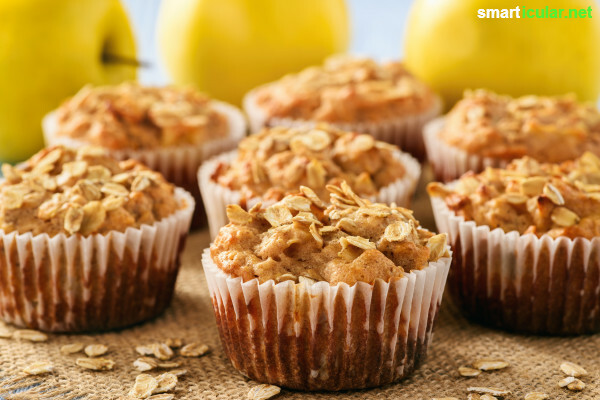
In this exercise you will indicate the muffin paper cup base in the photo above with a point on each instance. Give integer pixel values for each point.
(449, 162)
(216, 197)
(179, 164)
(521, 282)
(406, 132)
(74, 283)
(326, 337)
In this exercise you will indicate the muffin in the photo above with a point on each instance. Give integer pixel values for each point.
(354, 94)
(485, 129)
(526, 243)
(88, 243)
(276, 162)
(312, 295)
(171, 130)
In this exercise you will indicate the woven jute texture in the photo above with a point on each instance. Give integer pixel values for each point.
(534, 361)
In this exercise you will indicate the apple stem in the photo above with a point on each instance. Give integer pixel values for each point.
(117, 59)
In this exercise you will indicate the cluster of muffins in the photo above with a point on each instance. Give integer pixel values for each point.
(171, 130)
(320, 278)
(307, 208)
(275, 162)
(520, 209)
(93, 225)
(317, 248)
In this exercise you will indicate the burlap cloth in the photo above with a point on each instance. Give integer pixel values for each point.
(534, 361)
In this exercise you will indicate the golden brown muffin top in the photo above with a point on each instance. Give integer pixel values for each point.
(277, 161)
(59, 190)
(301, 238)
(529, 197)
(346, 89)
(549, 129)
(131, 116)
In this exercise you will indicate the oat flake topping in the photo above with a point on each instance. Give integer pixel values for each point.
(276, 161)
(304, 240)
(131, 116)
(548, 129)
(530, 197)
(346, 89)
(83, 191)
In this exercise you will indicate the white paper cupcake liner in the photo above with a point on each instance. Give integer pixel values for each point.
(216, 197)
(71, 283)
(405, 132)
(521, 282)
(178, 164)
(449, 162)
(326, 337)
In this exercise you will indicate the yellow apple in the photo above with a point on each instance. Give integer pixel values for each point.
(451, 49)
(227, 47)
(48, 51)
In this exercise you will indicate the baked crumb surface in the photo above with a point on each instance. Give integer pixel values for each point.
(531, 197)
(277, 161)
(83, 191)
(549, 129)
(132, 116)
(346, 89)
(303, 239)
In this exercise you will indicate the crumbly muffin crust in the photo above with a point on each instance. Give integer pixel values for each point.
(83, 191)
(346, 89)
(301, 237)
(131, 116)
(549, 129)
(530, 197)
(277, 161)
